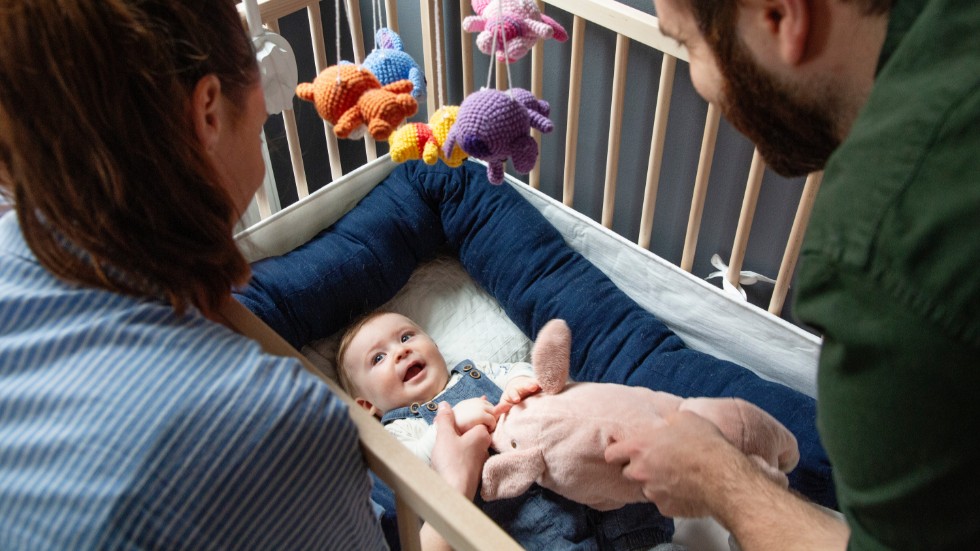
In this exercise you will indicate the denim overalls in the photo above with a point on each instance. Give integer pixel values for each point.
(540, 518)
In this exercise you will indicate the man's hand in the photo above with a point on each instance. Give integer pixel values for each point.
(680, 465)
(459, 457)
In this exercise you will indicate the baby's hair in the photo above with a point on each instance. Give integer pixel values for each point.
(353, 329)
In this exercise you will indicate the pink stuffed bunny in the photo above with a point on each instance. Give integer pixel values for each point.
(558, 438)
(518, 23)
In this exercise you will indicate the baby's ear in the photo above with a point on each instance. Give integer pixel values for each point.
(368, 406)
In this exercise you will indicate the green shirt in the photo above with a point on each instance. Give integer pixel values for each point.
(889, 276)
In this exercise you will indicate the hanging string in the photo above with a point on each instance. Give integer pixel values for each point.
(493, 52)
(440, 100)
(375, 9)
(336, 19)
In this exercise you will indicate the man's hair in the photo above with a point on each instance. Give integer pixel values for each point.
(352, 330)
(98, 151)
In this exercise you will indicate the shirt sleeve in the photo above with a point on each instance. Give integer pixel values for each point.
(502, 374)
(270, 462)
(417, 435)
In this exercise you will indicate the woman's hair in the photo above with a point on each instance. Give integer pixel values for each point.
(98, 150)
(352, 330)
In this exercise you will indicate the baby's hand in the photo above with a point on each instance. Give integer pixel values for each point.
(472, 412)
(517, 389)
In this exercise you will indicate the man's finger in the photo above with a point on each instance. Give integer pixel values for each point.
(618, 453)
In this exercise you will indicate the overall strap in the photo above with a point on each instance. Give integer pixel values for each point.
(473, 383)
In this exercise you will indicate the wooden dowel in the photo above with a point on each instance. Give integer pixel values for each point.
(749, 202)
(501, 75)
(391, 14)
(320, 60)
(466, 48)
(615, 129)
(664, 94)
(428, 53)
(795, 242)
(701, 185)
(408, 523)
(537, 88)
(295, 153)
(574, 95)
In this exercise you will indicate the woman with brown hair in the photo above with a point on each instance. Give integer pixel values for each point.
(130, 416)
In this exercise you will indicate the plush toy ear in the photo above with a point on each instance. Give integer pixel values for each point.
(550, 356)
(304, 91)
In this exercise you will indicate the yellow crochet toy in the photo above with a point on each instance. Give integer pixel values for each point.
(350, 96)
(424, 141)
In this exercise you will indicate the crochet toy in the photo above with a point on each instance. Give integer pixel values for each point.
(557, 438)
(390, 63)
(494, 125)
(518, 23)
(350, 96)
(424, 141)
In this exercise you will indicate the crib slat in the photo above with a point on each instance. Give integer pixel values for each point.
(408, 535)
(792, 253)
(664, 93)
(701, 185)
(391, 18)
(466, 48)
(320, 59)
(749, 202)
(292, 142)
(439, 53)
(615, 127)
(500, 75)
(537, 88)
(574, 95)
(357, 40)
(428, 54)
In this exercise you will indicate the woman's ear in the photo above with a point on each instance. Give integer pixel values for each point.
(205, 111)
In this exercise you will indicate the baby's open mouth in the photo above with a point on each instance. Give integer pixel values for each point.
(412, 371)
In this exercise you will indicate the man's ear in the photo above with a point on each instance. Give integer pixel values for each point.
(785, 25)
(205, 107)
(368, 406)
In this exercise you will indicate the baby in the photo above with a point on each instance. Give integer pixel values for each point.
(395, 371)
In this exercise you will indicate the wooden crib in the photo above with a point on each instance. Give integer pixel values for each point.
(420, 491)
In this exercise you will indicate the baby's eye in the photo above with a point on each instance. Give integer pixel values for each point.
(407, 336)
(377, 359)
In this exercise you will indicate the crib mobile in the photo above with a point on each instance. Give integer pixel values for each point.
(490, 125)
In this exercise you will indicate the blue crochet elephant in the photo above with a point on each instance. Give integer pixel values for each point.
(389, 62)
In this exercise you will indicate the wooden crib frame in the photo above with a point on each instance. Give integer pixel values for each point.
(419, 489)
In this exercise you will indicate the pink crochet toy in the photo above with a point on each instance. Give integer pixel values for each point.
(557, 438)
(493, 126)
(350, 96)
(518, 23)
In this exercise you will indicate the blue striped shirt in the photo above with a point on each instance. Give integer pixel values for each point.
(125, 426)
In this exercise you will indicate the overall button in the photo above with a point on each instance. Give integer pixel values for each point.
(431, 406)
(467, 367)
(414, 408)
(475, 374)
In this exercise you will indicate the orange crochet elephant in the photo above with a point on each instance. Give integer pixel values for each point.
(350, 96)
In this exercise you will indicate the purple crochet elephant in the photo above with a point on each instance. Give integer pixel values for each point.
(494, 125)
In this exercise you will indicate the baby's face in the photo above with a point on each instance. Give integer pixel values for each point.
(393, 363)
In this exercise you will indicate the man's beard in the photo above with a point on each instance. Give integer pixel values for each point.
(795, 134)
